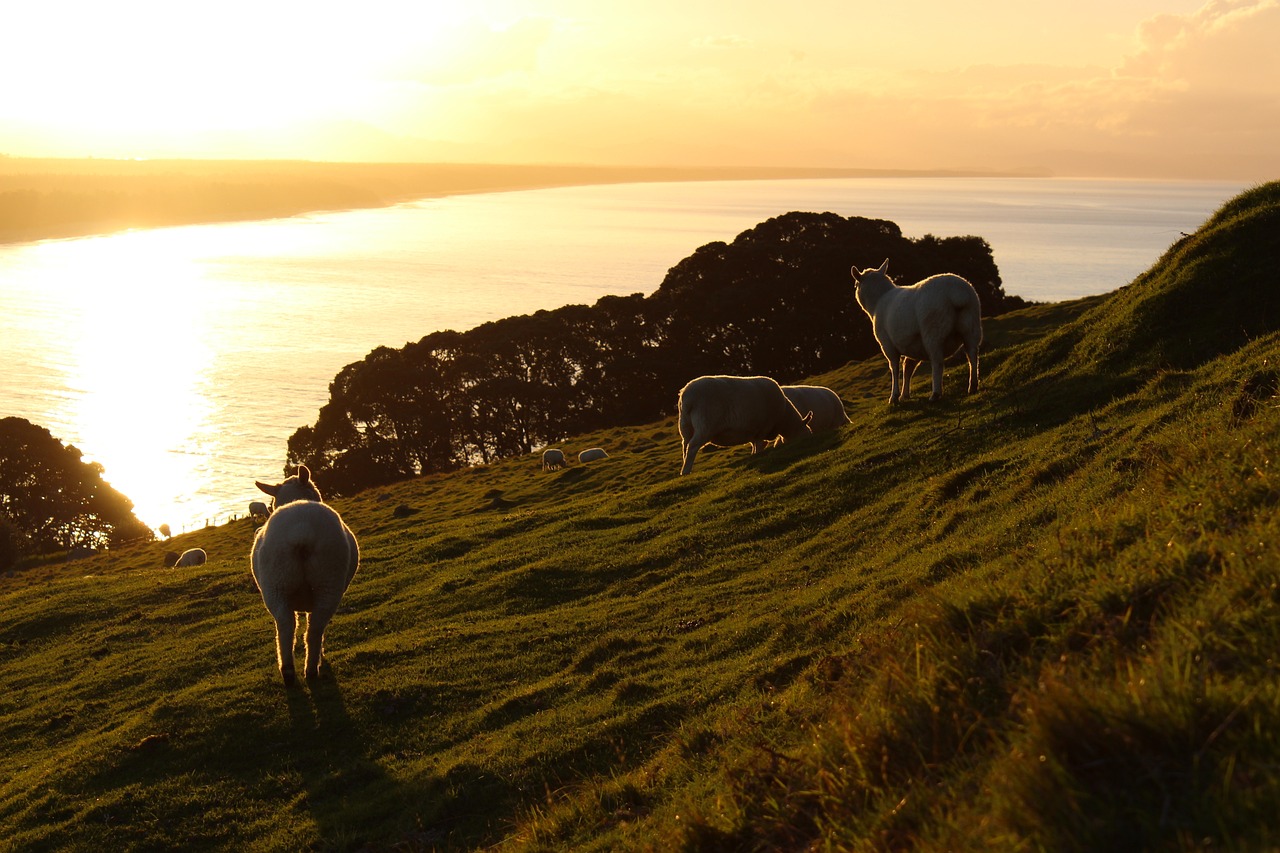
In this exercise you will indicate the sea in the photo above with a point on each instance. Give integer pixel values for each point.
(182, 359)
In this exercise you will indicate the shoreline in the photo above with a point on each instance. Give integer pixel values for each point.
(56, 199)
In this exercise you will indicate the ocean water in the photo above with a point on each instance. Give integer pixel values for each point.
(183, 358)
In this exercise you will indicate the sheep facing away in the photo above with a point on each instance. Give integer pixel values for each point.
(729, 410)
(191, 557)
(926, 321)
(591, 454)
(553, 459)
(303, 560)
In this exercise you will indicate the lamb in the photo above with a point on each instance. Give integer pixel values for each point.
(591, 454)
(729, 410)
(552, 459)
(191, 557)
(303, 560)
(928, 320)
(825, 404)
(258, 509)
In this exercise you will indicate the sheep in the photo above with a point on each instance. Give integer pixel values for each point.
(591, 454)
(728, 410)
(258, 509)
(191, 557)
(553, 459)
(928, 320)
(303, 560)
(825, 404)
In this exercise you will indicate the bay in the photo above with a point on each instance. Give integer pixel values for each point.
(183, 358)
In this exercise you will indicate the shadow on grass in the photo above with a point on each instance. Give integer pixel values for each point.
(347, 791)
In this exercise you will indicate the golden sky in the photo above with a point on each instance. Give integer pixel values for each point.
(1142, 88)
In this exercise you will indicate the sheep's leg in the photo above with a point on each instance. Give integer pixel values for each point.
(895, 374)
(935, 362)
(909, 366)
(971, 352)
(690, 452)
(286, 625)
(316, 623)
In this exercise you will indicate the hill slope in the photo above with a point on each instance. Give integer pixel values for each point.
(1044, 616)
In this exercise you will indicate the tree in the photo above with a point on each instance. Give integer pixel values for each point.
(54, 499)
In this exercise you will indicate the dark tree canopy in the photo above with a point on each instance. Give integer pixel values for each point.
(777, 301)
(54, 499)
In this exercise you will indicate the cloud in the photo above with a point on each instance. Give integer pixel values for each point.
(1227, 45)
(723, 42)
(472, 51)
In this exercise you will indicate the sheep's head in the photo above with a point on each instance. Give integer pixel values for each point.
(869, 284)
(805, 428)
(297, 488)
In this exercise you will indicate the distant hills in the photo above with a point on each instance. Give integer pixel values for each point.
(51, 198)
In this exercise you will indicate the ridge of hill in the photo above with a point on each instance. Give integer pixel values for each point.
(1043, 617)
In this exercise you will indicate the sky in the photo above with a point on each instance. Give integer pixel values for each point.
(1107, 88)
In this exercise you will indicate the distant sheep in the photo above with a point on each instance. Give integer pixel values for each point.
(729, 410)
(258, 509)
(303, 560)
(592, 454)
(191, 557)
(553, 459)
(825, 404)
(926, 321)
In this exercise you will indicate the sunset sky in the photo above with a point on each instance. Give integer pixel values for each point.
(1143, 88)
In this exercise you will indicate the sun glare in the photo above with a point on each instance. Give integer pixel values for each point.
(150, 72)
(139, 357)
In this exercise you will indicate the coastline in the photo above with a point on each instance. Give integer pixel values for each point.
(52, 199)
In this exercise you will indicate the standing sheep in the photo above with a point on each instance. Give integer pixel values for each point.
(303, 560)
(591, 454)
(926, 321)
(825, 404)
(729, 410)
(258, 509)
(553, 459)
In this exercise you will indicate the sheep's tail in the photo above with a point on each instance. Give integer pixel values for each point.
(301, 553)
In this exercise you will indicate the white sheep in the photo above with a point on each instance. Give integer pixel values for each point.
(258, 509)
(191, 557)
(926, 321)
(729, 410)
(553, 459)
(303, 560)
(591, 454)
(825, 404)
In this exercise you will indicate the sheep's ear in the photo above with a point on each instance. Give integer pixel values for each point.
(853, 271)
(884, 268)
(266, 487)
(304, 473)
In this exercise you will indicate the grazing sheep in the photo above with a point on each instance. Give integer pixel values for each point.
(729, 410)
(553, 459)
(926, 321)
(191, 557)
(258, 509)
(825, 404)
(592, 454)
(303, 560)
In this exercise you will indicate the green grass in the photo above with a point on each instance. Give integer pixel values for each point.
(1043, 617)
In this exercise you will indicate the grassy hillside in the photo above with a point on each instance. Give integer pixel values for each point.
(1044, 617)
